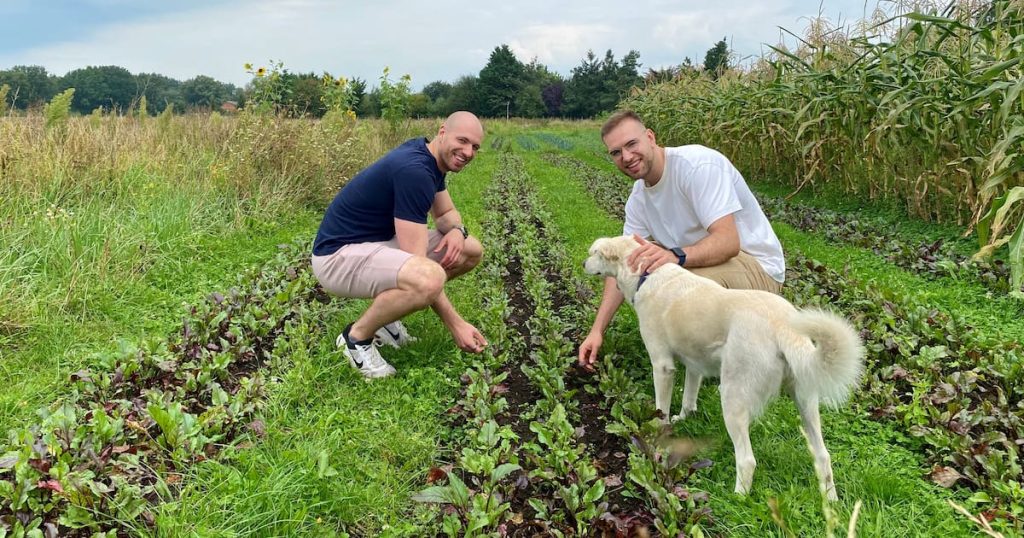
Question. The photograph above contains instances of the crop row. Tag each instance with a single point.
(932, 259)
(542, 456)
(99, 457)
(555, 141)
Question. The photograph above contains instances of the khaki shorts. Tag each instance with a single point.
(742, 272)
(364, 270)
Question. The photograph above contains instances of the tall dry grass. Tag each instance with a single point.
(92, 204)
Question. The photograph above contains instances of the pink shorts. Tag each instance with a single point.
(364, 270)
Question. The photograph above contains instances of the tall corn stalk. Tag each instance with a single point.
(921, 103)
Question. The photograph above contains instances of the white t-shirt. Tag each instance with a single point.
(698, 187)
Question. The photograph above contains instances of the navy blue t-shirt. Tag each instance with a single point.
(402, 184)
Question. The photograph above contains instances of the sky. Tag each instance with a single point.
(435, 40)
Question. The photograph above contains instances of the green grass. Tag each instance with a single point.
(56, 342)
(871, 460)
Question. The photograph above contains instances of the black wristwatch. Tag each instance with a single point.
(680, 253)
(462, 228)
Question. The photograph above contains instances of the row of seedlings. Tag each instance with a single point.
(958, 391)
(555, 141)
(477, 488)
(498, 142)
(567, 489)
(100, 457)
(658, 466)
(527, 142)
(571, 396)
(485, 487)
(498, 397)
(927, 258)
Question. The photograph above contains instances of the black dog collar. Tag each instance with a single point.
(643, 278)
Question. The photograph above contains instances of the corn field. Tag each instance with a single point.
(921, 104)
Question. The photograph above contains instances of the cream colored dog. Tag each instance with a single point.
(755, 341)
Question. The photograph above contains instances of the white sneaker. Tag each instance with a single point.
(367, 360)
(394, 334)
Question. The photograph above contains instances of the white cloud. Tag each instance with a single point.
(436, 41)
(558, 43)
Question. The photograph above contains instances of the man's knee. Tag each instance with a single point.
(422, 276)
(473, 251)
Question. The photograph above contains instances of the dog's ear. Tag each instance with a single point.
(608, 251)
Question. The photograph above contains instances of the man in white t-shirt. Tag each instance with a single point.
(689, 206)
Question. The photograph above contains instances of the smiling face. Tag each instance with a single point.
(457, 141)
(634, 150)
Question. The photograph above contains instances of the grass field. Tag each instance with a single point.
(321, 452)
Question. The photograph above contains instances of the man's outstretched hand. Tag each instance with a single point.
(589, 349)
(468, 338)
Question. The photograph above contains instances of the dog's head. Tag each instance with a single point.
(608, 255)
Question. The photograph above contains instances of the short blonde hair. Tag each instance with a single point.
(615, 119)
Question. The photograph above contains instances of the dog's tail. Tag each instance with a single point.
(826, 356)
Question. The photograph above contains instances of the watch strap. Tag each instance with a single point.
(680, 255)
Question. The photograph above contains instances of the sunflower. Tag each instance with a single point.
(261, 71)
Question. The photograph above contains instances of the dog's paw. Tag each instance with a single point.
(683, 413)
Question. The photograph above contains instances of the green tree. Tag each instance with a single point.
(369, 105)
(419, 106)
(305, 97)
(438, 94)
(716, 61)
(206, 93)
(437, 90)
(465, 95)
(535, 99)
(620, 78)
(108, 86)
(160, 92)
(597, 86)
(30, 85)
(583, 88)
(358, 92)
(500, 82)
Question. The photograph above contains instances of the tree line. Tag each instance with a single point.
(505, 86)
(113, 88)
